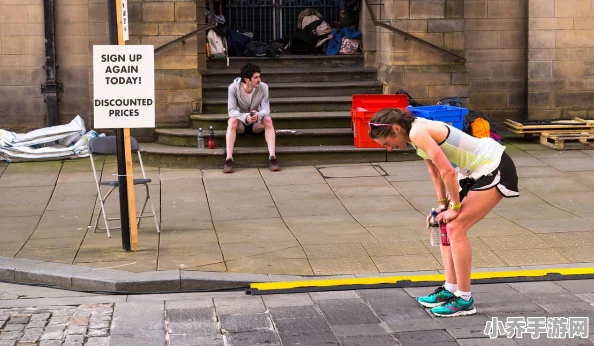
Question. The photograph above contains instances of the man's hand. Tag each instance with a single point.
(252, 118)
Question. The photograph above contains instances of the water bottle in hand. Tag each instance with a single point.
(435, 232)
(200, 139)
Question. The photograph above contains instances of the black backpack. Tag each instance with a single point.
(349, 13)
(471, 117)
(411, 101)
(451, 101)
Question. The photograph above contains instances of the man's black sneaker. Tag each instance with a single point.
(228, 166)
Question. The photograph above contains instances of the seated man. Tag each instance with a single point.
(249, 112)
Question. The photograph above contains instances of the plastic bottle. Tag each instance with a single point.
(445, 241)
(200, 139)
(211, 141)
(435, 233)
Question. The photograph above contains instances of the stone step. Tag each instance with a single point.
(289, 104)
(154, 154)
(297, 137)
(282, 120)
(345, 88)
(293, 75)
(288, 60)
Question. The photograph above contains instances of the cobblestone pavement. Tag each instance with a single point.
(46, 317)
(86, 324)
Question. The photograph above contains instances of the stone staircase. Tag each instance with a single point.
(309, 95)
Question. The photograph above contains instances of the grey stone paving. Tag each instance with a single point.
(48, 317)
(320, 220)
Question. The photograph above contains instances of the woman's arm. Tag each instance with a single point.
(421, 137)
(437, 182)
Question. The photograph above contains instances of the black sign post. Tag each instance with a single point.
(121, 158)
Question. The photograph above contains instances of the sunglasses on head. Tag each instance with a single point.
(374, 125)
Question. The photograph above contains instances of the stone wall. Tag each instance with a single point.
(177, 81)
(495, 41)
(81, 24)
(561, 53)
(426, 74)
(21, 64)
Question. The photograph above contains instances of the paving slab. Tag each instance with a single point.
(577, 254)
(19, 179)
(328, 229)
(187, 236)
(527, 161)
(252, 230)
(572, 164)
(34, 166)
(532, 257)
(538, 172)
(376, 204)
(304, 178)
(567, 224)
(343, 265)
(497, 227)
(349, 171)
(406, 262)
(281, 193)
(233, 251)
(561, 199)
(264, 265)
(396, 248)
(240, 211)
(309, 208)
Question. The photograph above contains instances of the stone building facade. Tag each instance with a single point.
(525, 59)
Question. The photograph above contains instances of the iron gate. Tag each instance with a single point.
(271, 20)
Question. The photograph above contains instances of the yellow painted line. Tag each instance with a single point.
(264, 286)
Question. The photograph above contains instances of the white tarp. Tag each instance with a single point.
(55, 142)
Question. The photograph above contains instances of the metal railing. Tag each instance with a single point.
(271, 20)
(209, 25)
(408, 36)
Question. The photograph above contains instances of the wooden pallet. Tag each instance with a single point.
(568, 141)
(577, 125)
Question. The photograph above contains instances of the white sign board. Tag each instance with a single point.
(125, 27)
(124, 86)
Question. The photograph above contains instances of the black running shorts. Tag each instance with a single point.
(504, 178)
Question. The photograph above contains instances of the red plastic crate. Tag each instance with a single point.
(372, 103)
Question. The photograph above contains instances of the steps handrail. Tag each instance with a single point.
(209, 25)
(409, 36)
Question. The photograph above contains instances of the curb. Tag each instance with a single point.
(88, 279)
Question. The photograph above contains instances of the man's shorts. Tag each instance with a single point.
(504, 178)
(249, 130)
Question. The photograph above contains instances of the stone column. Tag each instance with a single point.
(426, 74)
(496, 56)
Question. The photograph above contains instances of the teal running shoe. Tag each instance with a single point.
(456, 306)
(437, 298)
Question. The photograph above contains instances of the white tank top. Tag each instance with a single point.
(473, 157)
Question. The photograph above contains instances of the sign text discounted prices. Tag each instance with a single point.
(124, 86)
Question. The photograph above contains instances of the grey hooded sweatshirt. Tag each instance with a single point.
(260, 102)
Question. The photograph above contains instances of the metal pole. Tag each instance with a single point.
(50, 88)
(123, 189)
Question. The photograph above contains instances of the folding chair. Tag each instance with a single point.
(107, 146)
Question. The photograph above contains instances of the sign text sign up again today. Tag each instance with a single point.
(124, 86)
